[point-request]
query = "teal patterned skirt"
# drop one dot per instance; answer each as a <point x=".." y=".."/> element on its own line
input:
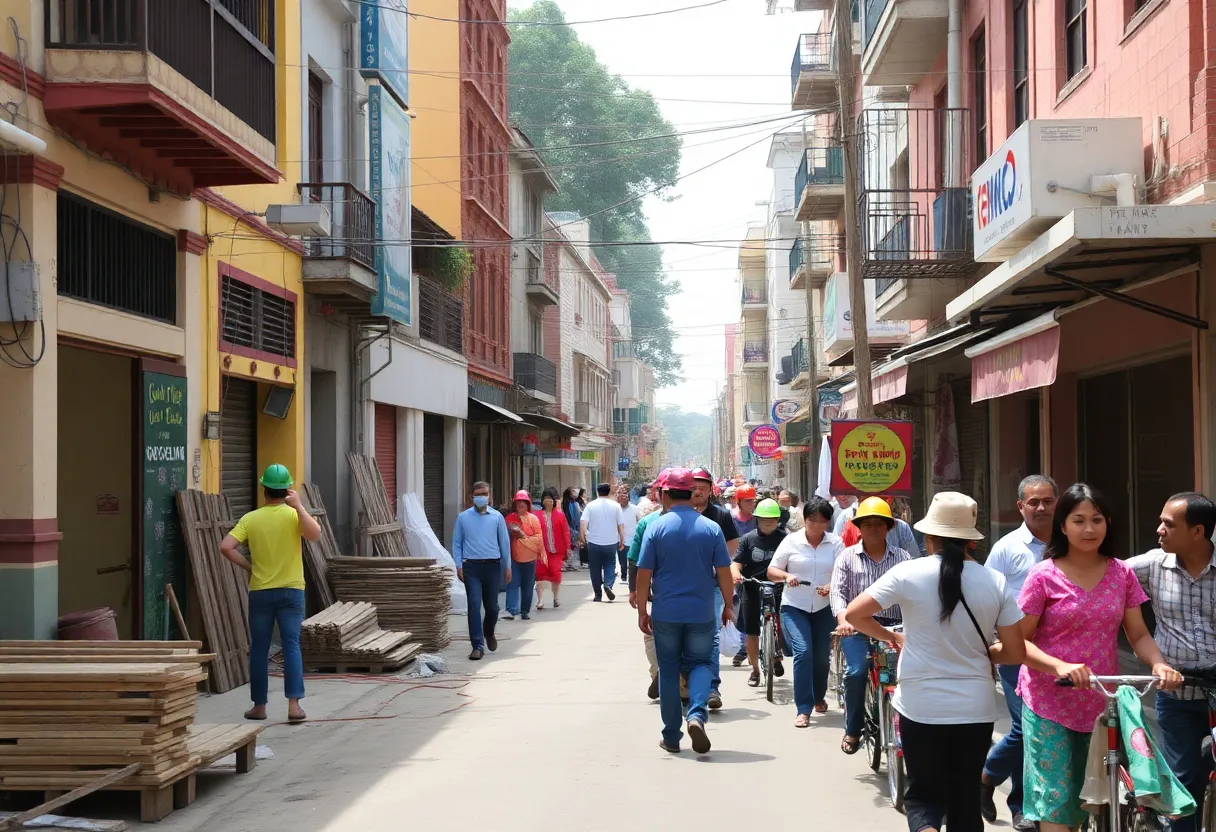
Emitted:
<point x="1053" y="770"/>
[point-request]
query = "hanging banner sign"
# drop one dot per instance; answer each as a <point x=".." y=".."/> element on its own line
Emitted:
<point x="784" y="410"/>
<point x="830" y="404"/>
<point x="872" y="456"/>
<point x="765" y="441"/>
<point x="390" y="180"/>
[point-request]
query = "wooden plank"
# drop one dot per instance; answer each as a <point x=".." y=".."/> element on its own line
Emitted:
<point x="51" y="805"/>
<point x="106" y="646"/>
<point x="74" y="824"/>
<point x="317" y="553"/>
<point x="116" y="658"/>
<point x="388" y="538"/>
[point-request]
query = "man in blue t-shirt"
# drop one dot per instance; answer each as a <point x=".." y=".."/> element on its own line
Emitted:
<point x="683" y="553"/>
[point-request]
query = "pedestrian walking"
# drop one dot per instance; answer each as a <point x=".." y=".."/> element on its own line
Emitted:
<point x="1074" y="604"/>
<point x="276" y="586"/>
<point x="804" y="563"/>
<point x="944" y="701"/>
<point x="650" y="514"/>
<point x="573" y="510"/>
<point x="1012" y="558"/>
<point x="481" y="548"/>
<point x="602" y="531"/>
<point x="555" y="533"/>
<point x="682" y="552"/>
<point x="1180" y="580"/>
<point x="702" y="501"/>
<point x="649" y="497"/>
<point x="751" y="560"/>
<point x="527" y="549"/>
<point x="846" y="510"/>
<point x="629" y="523"/>
<point x="791" y="511"/>
<point x="745" y="504"/>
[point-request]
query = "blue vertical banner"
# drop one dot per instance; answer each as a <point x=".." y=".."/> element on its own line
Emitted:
<point x="390" y="186"/>
<point x="384" y="39"/>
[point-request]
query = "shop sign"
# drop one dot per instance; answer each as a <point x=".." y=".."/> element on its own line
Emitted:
<point x="390" y="186"/>
<point x="838" y="318"/>
<point x="872" y="456"/>
<point x="764" y="441"/>
<point x="384" y="39"/>
<point x="1022" y="365"/>
<point x="830" y="404"/>
<point x="998" y="192"/>
<point x="784" y="410"/>
<point x="164" y="472"/>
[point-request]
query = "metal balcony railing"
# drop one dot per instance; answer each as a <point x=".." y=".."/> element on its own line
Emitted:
<point x="755" y="352"/>
<point x="755" y="413"/>
<point x="535" y="372"/>
<point x="874" y="10"/>
<point x="821" y="165"/>
<point x="797" y="258"/>
<point x="352" y="223"/>
<point x="813" y="54"/>
<point x="754" y="293"/>
<point x="799" y="357"/>
<point x="440" y="315"/>
<point x="223" y="47"/>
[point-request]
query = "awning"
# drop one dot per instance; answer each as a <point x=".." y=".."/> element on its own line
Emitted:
<point x="890" y="381"/>
<point x="1093" y="253"/>
<point x="570" y="463"/>
<point x="589" y="441"/>
<point x="492" y="413"/>
<point x="1018" y="359"/>
<point x="544" y="422"/>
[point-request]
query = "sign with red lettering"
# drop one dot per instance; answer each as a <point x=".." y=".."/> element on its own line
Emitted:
<point x="872" y="456"/>
<point x="1022" y="365"/>
<point x="765" y="441"/>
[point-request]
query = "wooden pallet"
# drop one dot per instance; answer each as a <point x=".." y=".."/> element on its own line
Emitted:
<point x="317" y="554"/>
<point x="215" y="742"/>
<point x="222" y="588"/>
<point x="384" y="529"/>
<point x="389" y="663"/>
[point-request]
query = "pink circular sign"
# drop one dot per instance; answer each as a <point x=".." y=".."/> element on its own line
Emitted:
<point x="765" y="441"/>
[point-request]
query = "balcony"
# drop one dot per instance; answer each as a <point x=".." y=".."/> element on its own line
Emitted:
<point x="814" y="5"/>
<point x="915" y="224"/>
<point x="755" y="355"/>
<point x="537" y="376"/>
<point x="800" y="365"/>
<point x="819" y="183"/>
<point x="811" y="259"/>
<point x="440" y="315"/>
<point x="901" y="40"/>
<point x="181" y="92"/>
<point x="342" y="267"/>
<point x="590" y="415"/>
<point x="755" y="413"/>
<point x="754" y="299"/>
<point x="813" y="73"/>
<point x="543" y="285"/>
<point x="899" y="299"/>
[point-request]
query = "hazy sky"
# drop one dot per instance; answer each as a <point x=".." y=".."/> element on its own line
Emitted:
<point x="731" y="64"/>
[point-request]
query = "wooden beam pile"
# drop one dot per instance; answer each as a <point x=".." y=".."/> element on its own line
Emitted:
<point x="408" y="593"/>
<point x="384" y="529"/>
<point x="347" y="636"/>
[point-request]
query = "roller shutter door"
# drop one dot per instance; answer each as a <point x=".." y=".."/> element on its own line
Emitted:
<point x="973" y="455"/>
<point x="432" y="471"/>
<point x="238" y="444"/>
<point x="386" y="449"/>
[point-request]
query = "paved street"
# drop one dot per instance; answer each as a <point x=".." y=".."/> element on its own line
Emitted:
<point x="553" y="731"/>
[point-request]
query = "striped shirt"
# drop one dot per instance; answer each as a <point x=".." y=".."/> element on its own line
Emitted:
<point x="1185" y="608"/>
<point x="855" y="571"/>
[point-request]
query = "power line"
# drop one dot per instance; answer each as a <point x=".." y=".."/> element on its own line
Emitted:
<point x="504" y="22"/>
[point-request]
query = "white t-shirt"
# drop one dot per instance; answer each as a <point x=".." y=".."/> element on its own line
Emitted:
<point x="813" y="566"/>
<point x="629" y="517"/>
<point x="945" y="676"/>
<point x="602" y="516"/>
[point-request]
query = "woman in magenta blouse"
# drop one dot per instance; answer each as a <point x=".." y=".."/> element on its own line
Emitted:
<point x="1074" y="603"/>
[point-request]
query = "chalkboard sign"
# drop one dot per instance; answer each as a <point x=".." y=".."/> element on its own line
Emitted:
<point x="165" y="472"/>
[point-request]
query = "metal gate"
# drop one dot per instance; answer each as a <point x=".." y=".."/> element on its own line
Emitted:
<point x="238" y="444"/>
<point x="433" y="485"/>
<point x="386" y="449"/>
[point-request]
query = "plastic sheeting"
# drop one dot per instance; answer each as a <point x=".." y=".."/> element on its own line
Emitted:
<point x="421" y="541"/>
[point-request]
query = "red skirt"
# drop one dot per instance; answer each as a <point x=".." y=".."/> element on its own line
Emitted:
<point x="551" y="569"/>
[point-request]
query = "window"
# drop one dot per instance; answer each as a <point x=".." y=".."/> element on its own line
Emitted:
<point x="1075" y="57"/>
<point x="979" y="62"/>
<point x="942" y="128"/>
<point x="1021" y="63"/>
<point x="257" y="319"/>
<point x="316" y="129"/>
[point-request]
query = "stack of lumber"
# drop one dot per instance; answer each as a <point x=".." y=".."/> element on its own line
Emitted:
<point x="408" y="593"/>
<point x="317" y="553"/>
<point x="384" y="530"/>
<point x="347" y="636"/>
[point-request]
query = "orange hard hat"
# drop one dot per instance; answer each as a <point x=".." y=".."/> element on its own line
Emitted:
<point x="745" y="492"/>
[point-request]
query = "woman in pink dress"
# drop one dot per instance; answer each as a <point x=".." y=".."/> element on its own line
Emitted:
<point x="1075" y="603"/>
<point x="556" y="534"/>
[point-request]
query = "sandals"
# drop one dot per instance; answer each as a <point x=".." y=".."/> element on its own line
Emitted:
<point x="850" y="746"/>
<point x="556" y="603"/>
<point x="249" y="715"/>
<point x="297" y="719"/>
<point x="753" y="681"/>
<point x="821" y="707"/>
<point x="802" y="721"/>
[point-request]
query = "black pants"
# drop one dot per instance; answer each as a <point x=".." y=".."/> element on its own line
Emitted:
<point x="944" y="764"/>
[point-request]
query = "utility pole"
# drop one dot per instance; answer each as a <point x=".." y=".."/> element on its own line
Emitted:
<point x="843" y="24"/>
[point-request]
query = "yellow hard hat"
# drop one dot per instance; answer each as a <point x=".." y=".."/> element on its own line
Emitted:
<point x="874" y="507"/>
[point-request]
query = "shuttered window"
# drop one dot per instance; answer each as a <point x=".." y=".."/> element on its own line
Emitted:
<point x="255" y="321"/>
<point x="386" y="449"/>
<point x="238" y="444"/>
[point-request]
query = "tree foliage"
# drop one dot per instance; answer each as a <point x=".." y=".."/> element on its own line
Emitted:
<point x="564" y="99"/>
<point x="688" y="436"/>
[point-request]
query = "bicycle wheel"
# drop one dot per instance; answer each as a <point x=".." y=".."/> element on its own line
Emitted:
<point x="836" y="682"/>
<point x="872" y="730"/>
<point x="1209" y="808"/>
<point x="768" y="643"/>
<point x="896" y="774"/>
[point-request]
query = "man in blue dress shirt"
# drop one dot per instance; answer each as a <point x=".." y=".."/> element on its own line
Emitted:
<point x="481" y="548"/>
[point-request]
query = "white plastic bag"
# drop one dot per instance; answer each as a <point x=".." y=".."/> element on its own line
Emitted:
<point x="421" y="541"/>
<point x="729" y="640"/>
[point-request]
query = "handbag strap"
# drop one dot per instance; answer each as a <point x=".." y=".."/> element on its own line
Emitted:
<point x="978" y="628"/>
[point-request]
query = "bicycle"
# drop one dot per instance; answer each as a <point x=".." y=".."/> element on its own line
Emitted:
<point x="1204" y="678"/>
<point x="770" y="632"/>
<point x="836" y="672"/>
<point x="880" y="727"/>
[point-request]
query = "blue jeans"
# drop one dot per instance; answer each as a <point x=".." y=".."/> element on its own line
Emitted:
<point x="1005" y="758"/>
<point x="683" y="648"/>
<point x="482" y="578"/>
<point x="856" y="649"/>
<point x="268" y="607"/>
<point x="716" y="660"/>
<point x="522" y="587"/>
<point x="810" y="637"/>
<point x="602" y="561"/>
<point x="1184" y="724"/>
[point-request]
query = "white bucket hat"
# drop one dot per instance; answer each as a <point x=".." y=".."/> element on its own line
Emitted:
<point x="951" y="515"/>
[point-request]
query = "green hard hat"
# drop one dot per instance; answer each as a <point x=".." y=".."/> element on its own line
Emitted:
<point x="768" y="508"/>
<point x="276" y="476"/>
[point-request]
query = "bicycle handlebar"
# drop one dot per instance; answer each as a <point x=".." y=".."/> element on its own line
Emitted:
<point x="1099" y="683"/>
<point x="762" y="583"/>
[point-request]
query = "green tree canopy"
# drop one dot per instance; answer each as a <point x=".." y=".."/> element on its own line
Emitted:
<point x="564" y="100"/>
<point x="688" y="436"/>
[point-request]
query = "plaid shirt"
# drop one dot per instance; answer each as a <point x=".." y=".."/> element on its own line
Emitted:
<point x="1185" y="608"/>
<point x="855" y="571"/>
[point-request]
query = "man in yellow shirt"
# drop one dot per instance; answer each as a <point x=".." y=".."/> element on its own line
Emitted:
<point x="276" y="586"/>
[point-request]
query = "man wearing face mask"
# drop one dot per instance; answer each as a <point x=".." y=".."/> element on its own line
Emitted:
<point x="481" y="548"/>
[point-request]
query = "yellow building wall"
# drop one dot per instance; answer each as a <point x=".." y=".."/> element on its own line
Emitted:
<point x="434" y="56"/>
<point x="234" y="243"/>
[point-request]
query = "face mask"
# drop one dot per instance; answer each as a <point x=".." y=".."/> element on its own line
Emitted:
<point x="481" y="501"/>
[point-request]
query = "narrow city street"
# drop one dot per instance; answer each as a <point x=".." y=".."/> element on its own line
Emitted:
<point x="553" y="731"/>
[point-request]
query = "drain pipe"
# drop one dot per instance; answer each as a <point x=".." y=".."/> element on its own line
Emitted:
<point x="1122" y="184"/>
<point x="954" y="96"/>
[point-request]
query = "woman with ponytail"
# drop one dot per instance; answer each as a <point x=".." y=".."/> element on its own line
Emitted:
<point x="946" y="702"/>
